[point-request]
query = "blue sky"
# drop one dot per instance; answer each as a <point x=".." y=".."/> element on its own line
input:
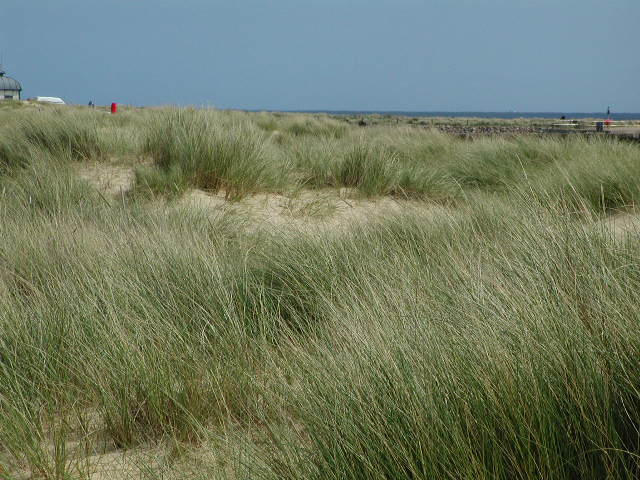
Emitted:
<point x="433" y="55"/>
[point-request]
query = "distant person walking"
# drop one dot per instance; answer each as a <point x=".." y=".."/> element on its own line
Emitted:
<point x="608" y="121"/>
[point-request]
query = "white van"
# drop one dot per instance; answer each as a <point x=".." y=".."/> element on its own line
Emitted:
<point x="56" y="100"/>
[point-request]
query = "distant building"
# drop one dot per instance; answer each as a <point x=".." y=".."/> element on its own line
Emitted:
<point x="9" y="88"/>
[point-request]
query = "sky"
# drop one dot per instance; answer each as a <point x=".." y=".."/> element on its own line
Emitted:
<point x="393" y="55"/>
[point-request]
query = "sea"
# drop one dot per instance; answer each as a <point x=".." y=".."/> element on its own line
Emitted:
<point x="505" y="115"/>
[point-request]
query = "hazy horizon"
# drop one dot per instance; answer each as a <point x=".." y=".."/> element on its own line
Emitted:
<point x="577" y="56"/>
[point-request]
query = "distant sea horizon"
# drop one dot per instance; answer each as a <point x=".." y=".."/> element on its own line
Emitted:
<point x="499" y="115"/>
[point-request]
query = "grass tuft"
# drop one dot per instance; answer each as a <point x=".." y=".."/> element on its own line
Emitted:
<point x="210" y="154"/>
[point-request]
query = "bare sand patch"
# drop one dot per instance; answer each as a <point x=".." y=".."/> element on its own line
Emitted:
<point x="324" y="207"/>
<point x="126" y="464"/>
<point x="623" y="223"/>
<point x="307" y="208"/>
<point x="108" y="178"/>
<point x="200" y="198"/>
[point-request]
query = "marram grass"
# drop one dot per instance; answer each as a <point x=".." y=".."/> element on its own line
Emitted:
<point x="496" y="337"/>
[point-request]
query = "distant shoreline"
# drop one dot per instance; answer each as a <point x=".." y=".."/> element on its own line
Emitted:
<point x="500" y="115"/>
